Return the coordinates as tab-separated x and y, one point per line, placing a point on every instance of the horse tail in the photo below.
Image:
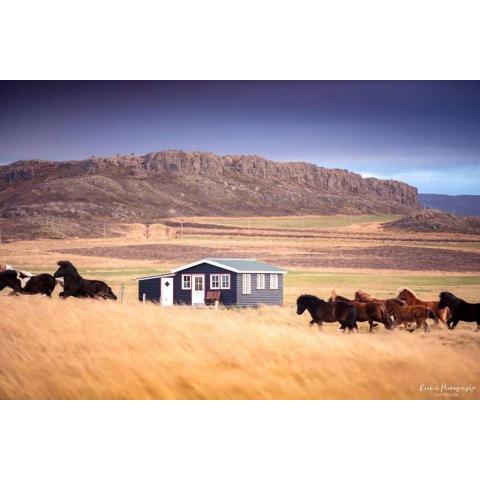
111	294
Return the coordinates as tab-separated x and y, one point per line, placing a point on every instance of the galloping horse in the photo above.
409	314
370	312
409	296
9	278
322	311
42	284
460	310
76	286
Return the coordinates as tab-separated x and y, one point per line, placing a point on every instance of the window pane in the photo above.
225	280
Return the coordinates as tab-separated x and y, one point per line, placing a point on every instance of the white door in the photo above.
166	288
198	289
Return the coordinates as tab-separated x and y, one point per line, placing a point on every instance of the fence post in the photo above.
144	296
122	292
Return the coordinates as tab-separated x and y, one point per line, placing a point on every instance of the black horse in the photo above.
9	278
42	284
322	311
76	286
459	309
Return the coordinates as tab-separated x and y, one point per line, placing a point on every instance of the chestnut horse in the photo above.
409	296
370	312
409	314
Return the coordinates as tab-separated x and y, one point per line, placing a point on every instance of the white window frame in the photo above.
184	276
217	276
274	284
260	281
227	276
245	284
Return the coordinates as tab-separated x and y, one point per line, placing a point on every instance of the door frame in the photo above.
193	287
161	291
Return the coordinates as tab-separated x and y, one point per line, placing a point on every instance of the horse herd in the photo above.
406	309
23	283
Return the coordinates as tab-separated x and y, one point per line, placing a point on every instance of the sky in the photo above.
424	133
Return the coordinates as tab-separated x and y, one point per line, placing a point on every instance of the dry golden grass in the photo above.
82	349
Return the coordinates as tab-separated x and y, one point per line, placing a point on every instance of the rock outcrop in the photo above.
132	188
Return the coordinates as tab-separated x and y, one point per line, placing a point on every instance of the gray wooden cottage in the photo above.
233	281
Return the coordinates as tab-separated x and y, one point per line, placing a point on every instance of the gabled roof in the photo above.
156	276
238	265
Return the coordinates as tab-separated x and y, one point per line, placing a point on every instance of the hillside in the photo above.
468	205
143	189
435	221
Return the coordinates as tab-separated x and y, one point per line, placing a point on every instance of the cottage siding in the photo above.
151	288
260	297
227	297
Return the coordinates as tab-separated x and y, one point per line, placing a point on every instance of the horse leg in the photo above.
478	325
442	317
425	326
452	323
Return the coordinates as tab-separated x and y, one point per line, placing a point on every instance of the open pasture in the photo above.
96	349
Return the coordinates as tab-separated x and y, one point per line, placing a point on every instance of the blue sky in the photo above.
424	133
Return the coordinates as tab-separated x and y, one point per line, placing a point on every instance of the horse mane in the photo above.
409	290
364	296
69	267
307	296
449	295
339	298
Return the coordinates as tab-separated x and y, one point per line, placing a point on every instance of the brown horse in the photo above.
370	312
409	296
363	296
409	314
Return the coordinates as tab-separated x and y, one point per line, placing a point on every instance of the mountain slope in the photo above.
172	183
468	205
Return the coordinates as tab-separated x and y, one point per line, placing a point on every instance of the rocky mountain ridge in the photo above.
131	188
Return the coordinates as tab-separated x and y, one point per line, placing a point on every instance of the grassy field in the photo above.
91	349
105	350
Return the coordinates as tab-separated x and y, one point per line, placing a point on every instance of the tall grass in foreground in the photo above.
94	349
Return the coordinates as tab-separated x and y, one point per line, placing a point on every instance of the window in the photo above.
225	281
246	284
273	281
260	281
214	281
186	282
